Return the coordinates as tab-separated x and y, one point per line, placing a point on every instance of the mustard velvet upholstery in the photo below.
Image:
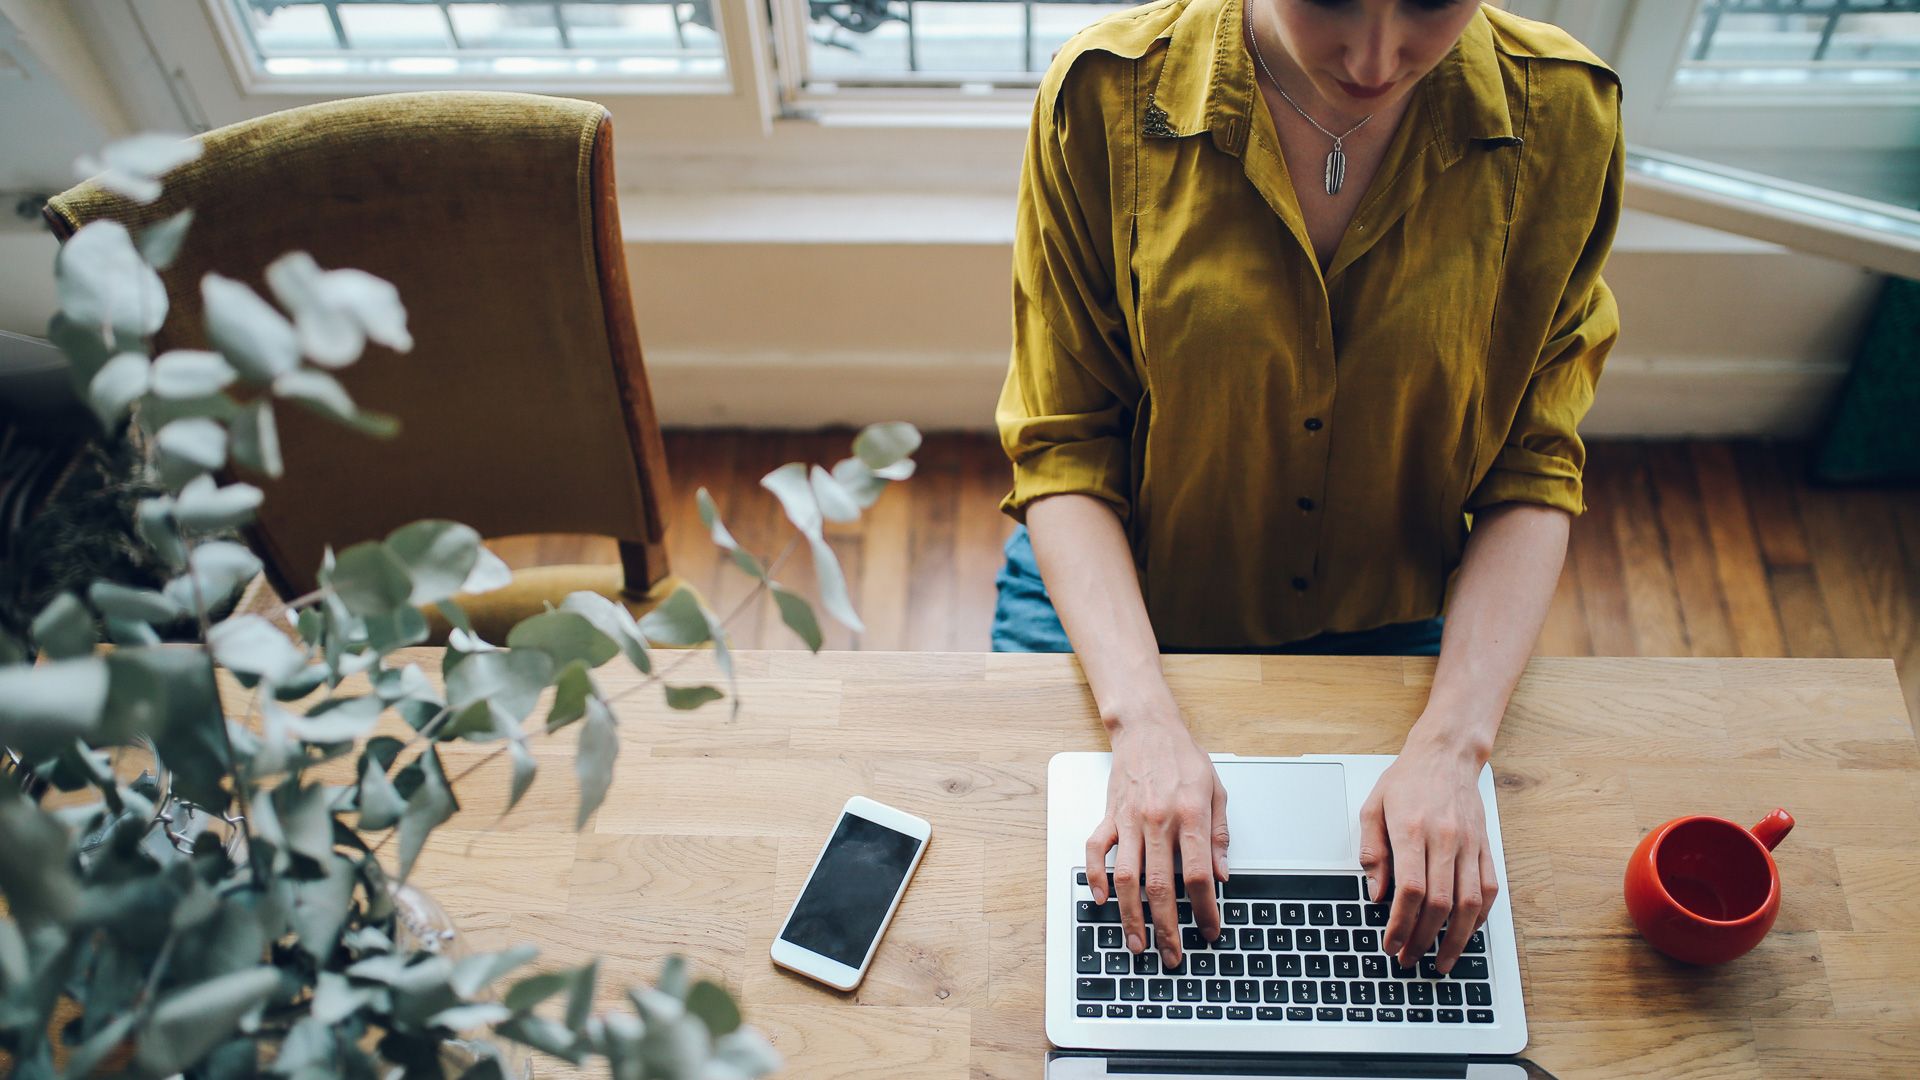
523	406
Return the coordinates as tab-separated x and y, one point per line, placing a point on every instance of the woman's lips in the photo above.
1355	90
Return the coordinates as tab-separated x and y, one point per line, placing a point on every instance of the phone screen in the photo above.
847	899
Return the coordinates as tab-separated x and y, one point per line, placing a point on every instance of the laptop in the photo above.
1296	985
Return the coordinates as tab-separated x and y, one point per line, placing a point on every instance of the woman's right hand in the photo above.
1167	814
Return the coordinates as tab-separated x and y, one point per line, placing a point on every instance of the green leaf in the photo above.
677	620
789	484
306	819
710	517
883	446
542	1034
593	762
171	695
84	1060
64	628
566	636
251	645
380	804
489	573
321	906
160	242
747	1051
190	447
475	973
835	501
613	620
714	1006
691	697
102	282
189	1022
257	340
511	680
833	585
116	386
322	393
256	439
132	166
858	481
336	311
153	521
673	976
580	994
798	615
397	629
370	579
130	632
335	999
303	682
218	568
438	555
431	804
190	373
524	768
36	877
570	693
44	708
143	605
469	1016
529	992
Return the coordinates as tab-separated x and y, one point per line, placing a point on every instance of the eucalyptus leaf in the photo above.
44	708
153	522
883	446
430	805
380	805
475	973
252	645
321	907
339	719
124	602
370	579
439	556
323	394
835	501
64	628
858	481
714	1006
833	584
337	311
257	340
190	447
102	282
789	484
160	242
170	695
132	166
335	999
798	615
691	697
615	621
580	993
217	568
130	632
36	876
710	517
570	693
748	1051
256	439
593	762
188	1022
190	373
117	385
677	620
512	680
529	992
403	626
469	1016
566	636
489	573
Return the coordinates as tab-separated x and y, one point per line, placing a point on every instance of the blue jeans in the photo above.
1024	620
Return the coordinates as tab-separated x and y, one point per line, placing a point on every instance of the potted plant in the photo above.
228	912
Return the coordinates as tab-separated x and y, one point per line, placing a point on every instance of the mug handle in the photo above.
1773	828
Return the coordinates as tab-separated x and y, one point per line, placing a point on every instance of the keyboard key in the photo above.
1479	993
1394	967
1347	915
1260	966
1251	940
1299	1012
1185	912
1119	1012
1179	1012
1419	1016
1388	1016
1234	965
1361	1016
1270	1012
1265	915
1246	990
1147	1012
1329	1013
1307	940
1320	914
1479	1016
1239	1012
1360	993
1449	993
1275	991
1293	914
1203	963
1373	967
1319	966
1451	1016
1237	914
1095	989
1287	967
1146	963
1419	993
1109	936
1366	941
1477	943
1469	967
1118	963
1224	941
1176	969
1346	966
1305	993
1279	940
1429	968
1190	940
1219	990
1133	989
1333	993
1088	964
1087	911
1393	993
1079	877
1208	1012
1088	1008
1375	914
1245	886
1337	941
1189	989
1160	989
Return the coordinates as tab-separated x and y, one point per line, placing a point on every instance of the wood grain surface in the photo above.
714	820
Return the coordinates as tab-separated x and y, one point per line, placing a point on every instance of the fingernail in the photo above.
1134	944
1373	889
1393	944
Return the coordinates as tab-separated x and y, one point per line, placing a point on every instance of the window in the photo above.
1840	43
893	42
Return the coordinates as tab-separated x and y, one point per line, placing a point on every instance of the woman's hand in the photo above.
1167	812
1423	832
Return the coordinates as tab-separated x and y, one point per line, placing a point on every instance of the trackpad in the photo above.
1287	812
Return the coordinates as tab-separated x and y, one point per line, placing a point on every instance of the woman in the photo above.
1271	349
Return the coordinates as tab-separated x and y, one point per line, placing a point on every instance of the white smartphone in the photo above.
851	893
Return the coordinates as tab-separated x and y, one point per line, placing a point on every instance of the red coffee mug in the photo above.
1704	890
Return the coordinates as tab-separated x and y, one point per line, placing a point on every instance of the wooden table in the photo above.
713	822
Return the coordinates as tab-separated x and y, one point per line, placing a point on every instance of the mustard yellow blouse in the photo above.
1295	452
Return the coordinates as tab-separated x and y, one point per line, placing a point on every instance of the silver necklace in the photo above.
1336	158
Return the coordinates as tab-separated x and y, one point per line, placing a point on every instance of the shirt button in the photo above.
1313	423
1306	503
1300	583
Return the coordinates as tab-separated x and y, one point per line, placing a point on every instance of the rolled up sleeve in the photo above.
1066	410
1542	458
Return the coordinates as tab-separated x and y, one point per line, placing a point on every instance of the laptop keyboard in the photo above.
1293	948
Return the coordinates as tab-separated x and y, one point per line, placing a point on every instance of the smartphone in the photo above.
851	893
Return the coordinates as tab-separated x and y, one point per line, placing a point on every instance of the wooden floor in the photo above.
1687	549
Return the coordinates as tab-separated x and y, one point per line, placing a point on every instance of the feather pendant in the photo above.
1336	169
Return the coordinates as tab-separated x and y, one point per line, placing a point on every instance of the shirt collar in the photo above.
1207	83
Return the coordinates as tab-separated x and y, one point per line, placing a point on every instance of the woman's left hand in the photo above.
1423	832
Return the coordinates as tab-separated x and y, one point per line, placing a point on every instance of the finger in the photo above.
1375	852
1102	841
1221	837
1489	884
1409	890
1442	853
1199	877
1468	903
1126	883
1160	898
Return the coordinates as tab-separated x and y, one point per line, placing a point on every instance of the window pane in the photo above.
1768	44
894	41
428	40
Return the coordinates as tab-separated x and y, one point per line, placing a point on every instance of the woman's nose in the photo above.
1374	59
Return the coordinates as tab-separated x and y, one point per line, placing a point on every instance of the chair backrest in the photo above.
524	405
